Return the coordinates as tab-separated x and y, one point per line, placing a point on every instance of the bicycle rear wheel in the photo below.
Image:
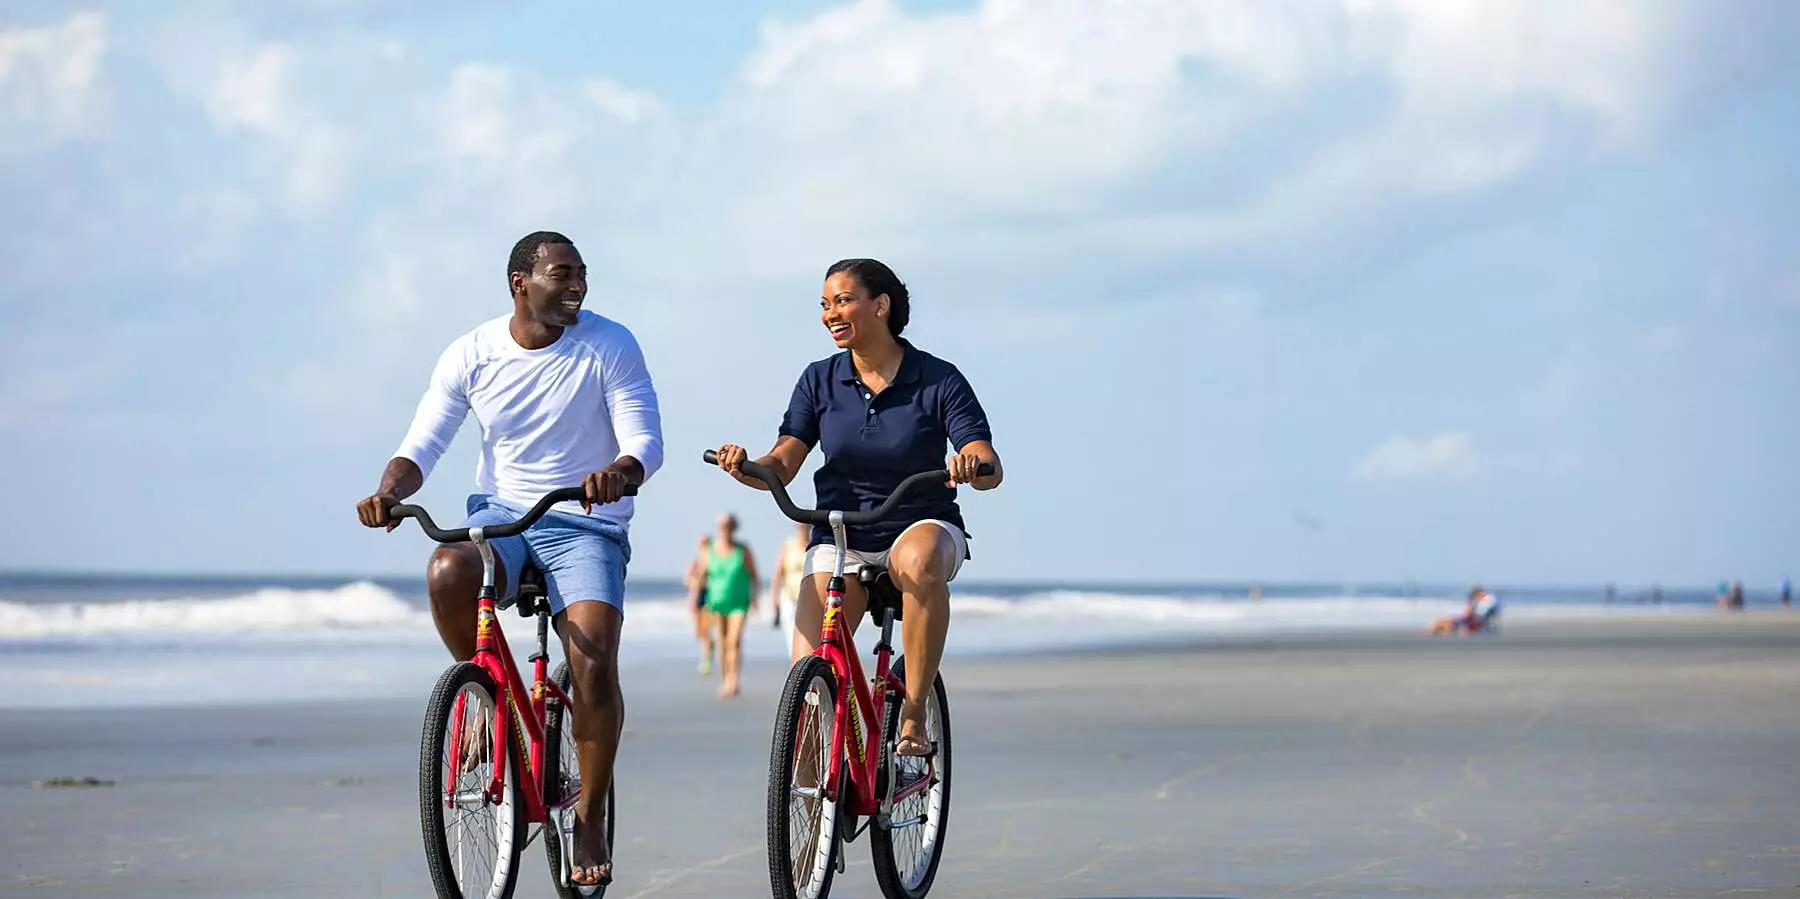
471	838
906	850
562	780
802	820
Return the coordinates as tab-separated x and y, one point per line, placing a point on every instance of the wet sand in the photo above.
1640	758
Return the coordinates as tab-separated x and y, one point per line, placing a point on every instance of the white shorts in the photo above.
822	557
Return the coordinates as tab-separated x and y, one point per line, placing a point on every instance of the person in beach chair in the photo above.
1481	614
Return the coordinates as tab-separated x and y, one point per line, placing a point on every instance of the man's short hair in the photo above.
525	252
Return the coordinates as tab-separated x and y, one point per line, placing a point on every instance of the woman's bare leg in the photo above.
921	563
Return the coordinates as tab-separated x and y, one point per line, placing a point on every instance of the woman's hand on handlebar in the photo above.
965	466
731	458
962	468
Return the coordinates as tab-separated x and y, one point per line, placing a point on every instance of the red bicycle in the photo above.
827	767
484	776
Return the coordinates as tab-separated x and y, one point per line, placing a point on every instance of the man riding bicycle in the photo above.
563	398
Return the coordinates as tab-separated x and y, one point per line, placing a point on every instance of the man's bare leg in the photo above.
453	581
591	643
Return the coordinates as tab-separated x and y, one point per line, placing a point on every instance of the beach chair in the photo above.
1487	616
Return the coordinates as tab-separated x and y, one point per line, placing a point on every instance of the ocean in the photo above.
70	640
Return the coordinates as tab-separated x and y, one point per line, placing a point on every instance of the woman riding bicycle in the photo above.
881	411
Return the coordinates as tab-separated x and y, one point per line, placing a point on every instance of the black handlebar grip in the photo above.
711	457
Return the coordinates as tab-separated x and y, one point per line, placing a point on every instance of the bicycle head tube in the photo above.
836	584
478	537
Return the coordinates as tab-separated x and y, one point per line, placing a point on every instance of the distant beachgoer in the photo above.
1722	598
1612	593
1735	600
1787	592
695	580
790	573
1479	613
730	596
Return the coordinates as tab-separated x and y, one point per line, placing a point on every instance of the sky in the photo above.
1365	290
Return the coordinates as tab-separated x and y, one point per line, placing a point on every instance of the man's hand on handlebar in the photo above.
608	485
373	511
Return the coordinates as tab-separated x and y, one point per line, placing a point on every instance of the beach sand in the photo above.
1628	758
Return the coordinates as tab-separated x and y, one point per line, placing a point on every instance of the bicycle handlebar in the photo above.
823	516
495	531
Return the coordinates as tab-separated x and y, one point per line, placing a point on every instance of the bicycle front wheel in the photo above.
562	783
471	834
907	847
802	819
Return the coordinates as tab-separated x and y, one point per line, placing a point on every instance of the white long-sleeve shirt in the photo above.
549	416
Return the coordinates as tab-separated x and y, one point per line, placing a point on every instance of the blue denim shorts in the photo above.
583	557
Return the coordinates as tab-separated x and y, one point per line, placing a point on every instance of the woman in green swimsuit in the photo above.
730	595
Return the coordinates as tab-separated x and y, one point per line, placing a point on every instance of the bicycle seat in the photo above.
883	594
531	590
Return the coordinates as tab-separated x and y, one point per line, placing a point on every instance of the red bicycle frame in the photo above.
837	646
493	655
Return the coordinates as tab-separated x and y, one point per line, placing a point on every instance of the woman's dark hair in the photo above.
876	279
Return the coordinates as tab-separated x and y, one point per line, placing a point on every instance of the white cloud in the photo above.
252	91
621	102
255	93
1447	454
1183	143
49	81
1162	133
473	120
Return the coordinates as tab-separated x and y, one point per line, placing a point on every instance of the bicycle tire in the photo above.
554	734
810	676
934	807
509	821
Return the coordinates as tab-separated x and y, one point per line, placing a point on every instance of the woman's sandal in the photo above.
902	745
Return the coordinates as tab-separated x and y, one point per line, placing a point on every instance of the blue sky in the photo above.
1366	290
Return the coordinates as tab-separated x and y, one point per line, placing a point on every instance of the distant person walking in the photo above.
695	580
730	596
1787	592
790	572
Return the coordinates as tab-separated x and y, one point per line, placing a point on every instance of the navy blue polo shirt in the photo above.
873	441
